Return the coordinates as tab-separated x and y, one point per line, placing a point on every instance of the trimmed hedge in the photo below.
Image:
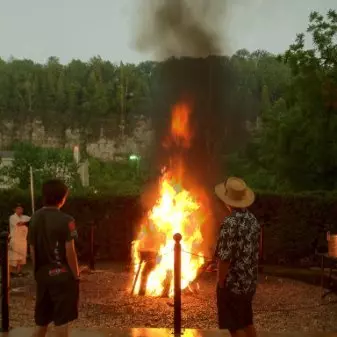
114	219
294	225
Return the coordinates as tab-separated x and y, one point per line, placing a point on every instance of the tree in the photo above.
298	140
46	164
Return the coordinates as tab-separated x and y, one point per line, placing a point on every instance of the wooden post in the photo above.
92	247
32	188
4	282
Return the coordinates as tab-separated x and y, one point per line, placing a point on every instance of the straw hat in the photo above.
235	193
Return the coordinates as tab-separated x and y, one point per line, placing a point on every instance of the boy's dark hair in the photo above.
53	192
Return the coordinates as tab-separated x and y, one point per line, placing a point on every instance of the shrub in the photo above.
292	223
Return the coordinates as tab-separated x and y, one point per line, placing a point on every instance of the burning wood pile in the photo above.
176	210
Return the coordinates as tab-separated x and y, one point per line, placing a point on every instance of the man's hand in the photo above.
223	267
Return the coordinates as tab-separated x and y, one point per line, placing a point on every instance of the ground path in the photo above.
281	305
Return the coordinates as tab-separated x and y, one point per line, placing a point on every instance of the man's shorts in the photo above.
235	312
56	302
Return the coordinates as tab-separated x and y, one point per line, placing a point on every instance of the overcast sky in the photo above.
37	29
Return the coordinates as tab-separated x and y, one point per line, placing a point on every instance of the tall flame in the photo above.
176	210
180	126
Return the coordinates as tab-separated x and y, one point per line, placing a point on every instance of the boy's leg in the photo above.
238	333
250	331
65	298
43	310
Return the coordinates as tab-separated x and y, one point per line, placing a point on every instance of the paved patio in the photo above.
140	332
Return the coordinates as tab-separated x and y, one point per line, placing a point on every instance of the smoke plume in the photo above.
187	34
179	28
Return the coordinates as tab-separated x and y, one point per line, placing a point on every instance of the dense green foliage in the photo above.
81	95
106	177
280	110
46	164
117	178
295	145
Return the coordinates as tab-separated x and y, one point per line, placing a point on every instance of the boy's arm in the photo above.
71	250
72	258
31	243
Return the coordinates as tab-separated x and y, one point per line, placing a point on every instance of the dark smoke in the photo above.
182	27
186	35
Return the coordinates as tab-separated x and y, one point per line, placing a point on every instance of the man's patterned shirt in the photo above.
239	243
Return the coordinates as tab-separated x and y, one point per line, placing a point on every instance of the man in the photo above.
51	239
237	253
18	240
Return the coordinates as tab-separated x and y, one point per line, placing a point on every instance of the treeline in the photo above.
280	126
294	147
87	95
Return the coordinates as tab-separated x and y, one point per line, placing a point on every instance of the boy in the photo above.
51	240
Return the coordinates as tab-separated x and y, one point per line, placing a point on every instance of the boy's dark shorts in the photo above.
56	302
235	312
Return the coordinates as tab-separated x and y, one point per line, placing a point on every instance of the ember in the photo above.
177	210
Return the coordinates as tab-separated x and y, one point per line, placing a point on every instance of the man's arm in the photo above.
223	267
32	255
71	250
225	250
12	224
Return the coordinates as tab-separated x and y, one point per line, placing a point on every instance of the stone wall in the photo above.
106	147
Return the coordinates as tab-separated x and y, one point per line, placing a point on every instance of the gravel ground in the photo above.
280	305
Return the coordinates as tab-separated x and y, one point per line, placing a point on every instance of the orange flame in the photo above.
180	126
175	211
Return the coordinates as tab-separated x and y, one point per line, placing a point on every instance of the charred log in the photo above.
167	284
149	261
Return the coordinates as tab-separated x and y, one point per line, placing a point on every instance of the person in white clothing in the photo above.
18	240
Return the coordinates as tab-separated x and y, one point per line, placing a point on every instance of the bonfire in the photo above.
176	210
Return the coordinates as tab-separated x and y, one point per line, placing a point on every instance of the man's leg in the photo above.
62	331
40	331
13	267
226	314
19	268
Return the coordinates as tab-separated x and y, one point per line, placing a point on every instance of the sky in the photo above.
68	29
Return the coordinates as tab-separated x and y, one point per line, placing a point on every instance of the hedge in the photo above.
294	225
